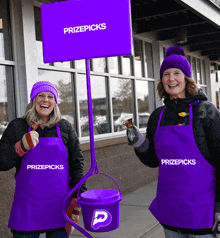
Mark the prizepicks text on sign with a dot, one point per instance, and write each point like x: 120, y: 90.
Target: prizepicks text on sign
x: 85, y: 29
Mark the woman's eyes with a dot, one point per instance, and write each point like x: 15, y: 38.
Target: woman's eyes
x: 51, y: 97
x: 177, y: 73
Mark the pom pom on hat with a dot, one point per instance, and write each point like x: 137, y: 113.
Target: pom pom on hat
x: 175, y: 59
x: 175, y: 50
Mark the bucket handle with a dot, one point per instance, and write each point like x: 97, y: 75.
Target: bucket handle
x: 106, y: 176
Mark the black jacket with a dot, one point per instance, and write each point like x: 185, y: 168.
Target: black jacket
x: 14, y: 133
x: 206, y: 129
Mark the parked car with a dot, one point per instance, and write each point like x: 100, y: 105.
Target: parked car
x: 69, y: 118
x: 101, y: 124
x: 143, y: 119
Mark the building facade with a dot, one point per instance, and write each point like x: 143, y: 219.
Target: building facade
x: 122, y: 87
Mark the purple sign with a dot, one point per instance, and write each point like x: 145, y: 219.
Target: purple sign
x: 84, y: 29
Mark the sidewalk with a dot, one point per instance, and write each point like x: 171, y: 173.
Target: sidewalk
x: 136, y: 221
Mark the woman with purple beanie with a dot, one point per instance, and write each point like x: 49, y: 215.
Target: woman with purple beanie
x: 46, y: 152
x: 183, y: 140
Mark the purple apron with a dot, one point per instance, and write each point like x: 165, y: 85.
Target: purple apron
x: 186, y: 182
x: 42, y: 183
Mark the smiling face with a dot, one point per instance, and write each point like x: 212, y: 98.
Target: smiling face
x: 44, y: 104
x: 174, y: 83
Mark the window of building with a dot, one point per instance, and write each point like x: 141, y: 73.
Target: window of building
x: 149, y: 60
x: 138, y: 51
x: 80, y: 65
x: 114, y: 63
x: 99, y: 105
x: 199, y: 72
x: 5, y: 32
x: 143, y: 102
x: 121, y: 91
x: 127, y: 65
x: 7, y: 107
x: 99, y: 65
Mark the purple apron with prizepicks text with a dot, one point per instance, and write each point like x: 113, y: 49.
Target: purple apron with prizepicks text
x: 40, y: 190
x: 186, y: 182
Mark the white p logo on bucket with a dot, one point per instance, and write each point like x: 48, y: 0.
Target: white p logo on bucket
x: 101, y: 218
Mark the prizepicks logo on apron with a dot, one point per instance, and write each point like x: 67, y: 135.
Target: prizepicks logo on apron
x: 45, y: 166
x: 186, y: 183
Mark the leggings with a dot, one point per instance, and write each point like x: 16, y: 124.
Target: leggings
x: 173, y: 234
x: 49, y: 234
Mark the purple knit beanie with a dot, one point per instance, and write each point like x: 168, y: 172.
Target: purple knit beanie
x: 44, y: 86
x: 175, y: 59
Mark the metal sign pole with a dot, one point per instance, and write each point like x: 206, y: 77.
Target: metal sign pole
x: 90, y: 115
x: 92, y: 152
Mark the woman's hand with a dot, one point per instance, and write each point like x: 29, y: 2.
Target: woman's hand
x: 137, y: 139
x: 28, y: 141
x: 73, y: 213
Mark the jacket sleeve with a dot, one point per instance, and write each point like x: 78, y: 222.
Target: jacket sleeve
x: 8, y: 156
x: 211, y: 123
x: 149, y: 158
x: 76, y: 161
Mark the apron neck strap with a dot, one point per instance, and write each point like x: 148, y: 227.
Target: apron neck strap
x: 57, y: 128
x: 190, y: 114
x: 161, y: 114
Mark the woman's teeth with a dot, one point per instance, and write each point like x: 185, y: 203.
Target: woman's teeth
x: 173, y: 85
x: 44, y: 106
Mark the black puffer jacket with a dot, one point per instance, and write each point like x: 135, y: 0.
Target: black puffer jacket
x: 14, y: 133
x: 206, y: 129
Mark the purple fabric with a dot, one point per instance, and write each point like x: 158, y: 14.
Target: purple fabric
x: 175, y: 59
x: 44, y: 86
x: 186, y: 183
x: 39, y: 193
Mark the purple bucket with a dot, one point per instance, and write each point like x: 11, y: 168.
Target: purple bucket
x: 101, y: 208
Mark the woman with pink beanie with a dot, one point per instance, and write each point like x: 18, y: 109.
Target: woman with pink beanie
x: 48, y: 161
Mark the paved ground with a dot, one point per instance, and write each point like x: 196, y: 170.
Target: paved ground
x: 136, y: 221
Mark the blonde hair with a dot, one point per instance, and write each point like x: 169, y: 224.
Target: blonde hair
x: 32, y: 115
x: 190, y: 90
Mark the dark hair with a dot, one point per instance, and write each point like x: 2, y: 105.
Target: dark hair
x: 190, y: 90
